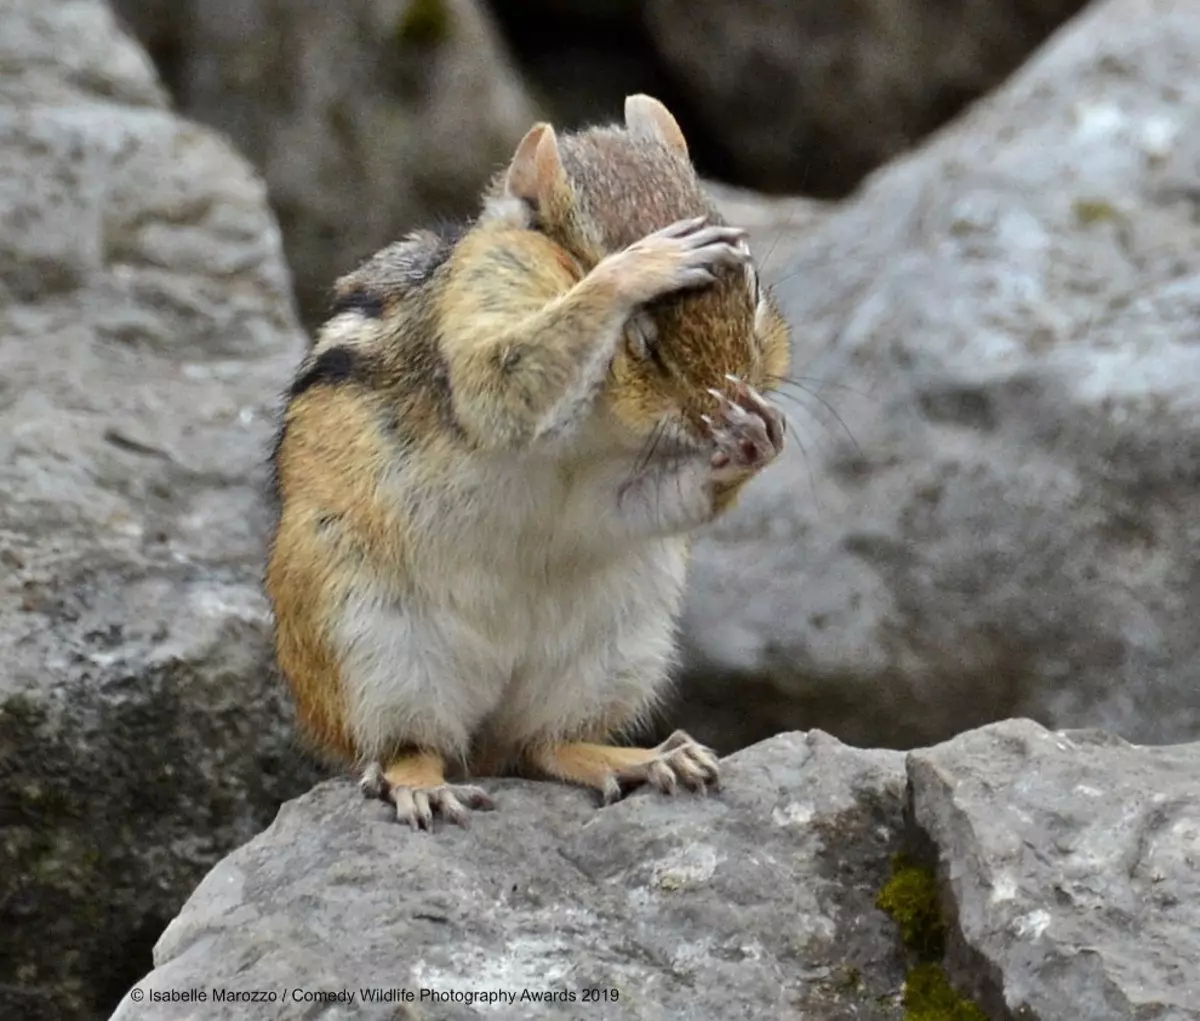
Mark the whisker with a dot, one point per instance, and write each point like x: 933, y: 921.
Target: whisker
x: 762, y: 266
x: 794, y: 400
x: 659, y: 432
x: 812, y: 479
x: 647, y: 451
x: 783, y: 280
x: 800, y: 381
x: 828, y: 407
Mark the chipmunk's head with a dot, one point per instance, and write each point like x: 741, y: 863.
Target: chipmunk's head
x: 597, y: 191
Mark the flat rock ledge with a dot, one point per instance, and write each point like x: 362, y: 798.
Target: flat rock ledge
x: 1068, y: 868
x: 1067, y: 863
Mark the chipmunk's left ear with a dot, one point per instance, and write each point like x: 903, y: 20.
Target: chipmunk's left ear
x: 647, y: 119
x: 536, y: 175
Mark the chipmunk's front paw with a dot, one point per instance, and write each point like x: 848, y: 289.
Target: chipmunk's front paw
x: 747, y: 431
x: 417, y: 803
x: 679, y: 759
x: 682, y: 256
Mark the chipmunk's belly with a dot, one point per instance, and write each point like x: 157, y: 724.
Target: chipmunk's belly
x: 507, y: 659
x: 419, y: 674
x: 596, y: 647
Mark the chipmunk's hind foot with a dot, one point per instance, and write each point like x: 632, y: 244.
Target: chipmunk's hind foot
x: 679, y: 759
x: 415, y: 785
x: 615, y: 771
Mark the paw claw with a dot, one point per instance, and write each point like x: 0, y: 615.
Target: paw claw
x: 453, y: 802
x: 679, y: 759
x: 371, y: 782
x: 455, y: 811
x: 424, y: 810
x: 747, y: 431
x: 681, y: 256
x: 661, y: 775
x: 476, y: 798
x: 612, y: 792
x: 677, y: 739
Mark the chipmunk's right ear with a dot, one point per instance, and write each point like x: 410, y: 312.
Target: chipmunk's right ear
x: 648, y: 119
x: 536, y: 176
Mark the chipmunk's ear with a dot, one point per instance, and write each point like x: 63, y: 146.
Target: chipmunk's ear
x: 647, y: 119
x: 536, y: 175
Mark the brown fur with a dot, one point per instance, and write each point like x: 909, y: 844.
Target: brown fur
x: 589, y: 765
x: 613, y: 186
x: 416, y: 769
x: 456, y: 345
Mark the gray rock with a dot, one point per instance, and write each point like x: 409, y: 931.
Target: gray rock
x: 367, y: 117
x: 809, y: 96
x: 1006, y: 323
x: 145, y: 330
x: 1067, y: 863
x: 757, y: 902
x: 1072, y: 861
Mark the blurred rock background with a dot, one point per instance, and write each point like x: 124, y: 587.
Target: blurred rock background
x: 368, y: 117
x: 990, y: 507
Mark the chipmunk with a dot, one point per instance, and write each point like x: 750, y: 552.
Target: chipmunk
x: 490, y: 463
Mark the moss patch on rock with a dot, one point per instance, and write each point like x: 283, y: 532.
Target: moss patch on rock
x: 910, y: 899
x: 928, y: 996
x: 425, y: 24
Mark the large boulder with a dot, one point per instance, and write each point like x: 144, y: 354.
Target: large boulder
x: 991, y: 504
x: 807, y: 95
x: 755, y: 903
x: 1037, y: 874
x: 146, y: 328
x: 1071, y: 864
x: 367, y: 117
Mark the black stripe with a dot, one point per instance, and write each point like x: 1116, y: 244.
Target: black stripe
x: 331, y: 367
x: 358, y: 300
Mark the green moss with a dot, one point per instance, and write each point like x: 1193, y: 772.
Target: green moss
x: 928, y: 996
x: 1092, y: 211
x: 910, y: 898
x: 425, y: 24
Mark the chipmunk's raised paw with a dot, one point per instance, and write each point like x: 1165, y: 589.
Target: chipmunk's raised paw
x: 747, y: 430
x: 684, y: 255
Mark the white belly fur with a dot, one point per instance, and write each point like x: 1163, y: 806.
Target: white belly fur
x: 515, y: 622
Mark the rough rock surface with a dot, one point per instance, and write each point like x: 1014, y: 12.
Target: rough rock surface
x: 1006, y: 323
x: 1072, y: 861
x: 755, y: 903
x: 367, y: 117
x: 145, y: 327
x: 859, y: 82
x: 1067, y: 863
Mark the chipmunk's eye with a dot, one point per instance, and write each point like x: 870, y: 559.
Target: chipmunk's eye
x: 637, y: 338
x: 642, y: 334
x: 643, y: 342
